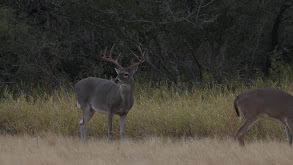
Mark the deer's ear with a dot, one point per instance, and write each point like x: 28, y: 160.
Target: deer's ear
x: 133, y: 70
x: 116, y: 70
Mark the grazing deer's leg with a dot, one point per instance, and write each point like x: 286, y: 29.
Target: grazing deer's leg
x: 289, y: 130
x: 289, y: 135
x: 81, y: 129
x: 82, y: 123
x: 88, y: 113
x: 245, y: 127
x: 122, y: 123
x: 110, y: 121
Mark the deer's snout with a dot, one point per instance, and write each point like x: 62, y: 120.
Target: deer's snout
x: 117, y: 80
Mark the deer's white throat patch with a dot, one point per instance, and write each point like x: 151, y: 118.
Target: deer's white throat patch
x: 77, y: 103
x: 124, y: 87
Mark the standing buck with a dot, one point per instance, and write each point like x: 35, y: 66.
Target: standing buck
x: 266, y: 103
x: 106, y: 96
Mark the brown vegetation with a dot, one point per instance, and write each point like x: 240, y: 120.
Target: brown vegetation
x: 55, y: 150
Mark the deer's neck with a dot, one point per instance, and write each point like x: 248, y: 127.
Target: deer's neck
x: 126, y: 90
x: 127, y: 95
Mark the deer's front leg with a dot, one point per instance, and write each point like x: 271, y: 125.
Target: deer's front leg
x: 110, y: 121
x: 122, y: 123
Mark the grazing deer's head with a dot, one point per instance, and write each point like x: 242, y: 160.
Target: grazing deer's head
x: 124, y: 75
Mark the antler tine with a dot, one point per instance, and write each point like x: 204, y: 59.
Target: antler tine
x: 119, y: 58
x: 135, y: 56
x: 105, y: 51
x: 110, y: 56
x: 142, y: 54
x: 142, y: 60
x: 139, y: 48
x: 110, y: 59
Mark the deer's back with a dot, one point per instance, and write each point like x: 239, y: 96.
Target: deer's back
x: 270, y: 101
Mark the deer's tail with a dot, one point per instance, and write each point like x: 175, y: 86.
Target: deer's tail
x: 236, y: 106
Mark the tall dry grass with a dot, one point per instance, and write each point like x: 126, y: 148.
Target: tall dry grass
x: 59, y: 150
x: 159, y: 110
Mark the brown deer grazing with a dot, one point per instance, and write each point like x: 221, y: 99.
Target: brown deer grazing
x: 107, y: 96
x: 266, y: 103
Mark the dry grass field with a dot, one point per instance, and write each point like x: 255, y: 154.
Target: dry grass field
x: 60, y: 150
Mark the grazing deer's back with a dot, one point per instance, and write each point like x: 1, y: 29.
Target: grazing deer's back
x: 269, y: 95
x: 266, y: 99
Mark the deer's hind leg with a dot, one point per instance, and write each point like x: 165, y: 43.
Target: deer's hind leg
x: 289, y: 135
x: 88, y: 113
x: 289, y: 130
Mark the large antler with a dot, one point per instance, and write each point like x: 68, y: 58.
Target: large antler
x: 140, y: 60
x: 117, y: 61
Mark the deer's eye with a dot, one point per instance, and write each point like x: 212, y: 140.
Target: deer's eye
x: 125, y: 74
